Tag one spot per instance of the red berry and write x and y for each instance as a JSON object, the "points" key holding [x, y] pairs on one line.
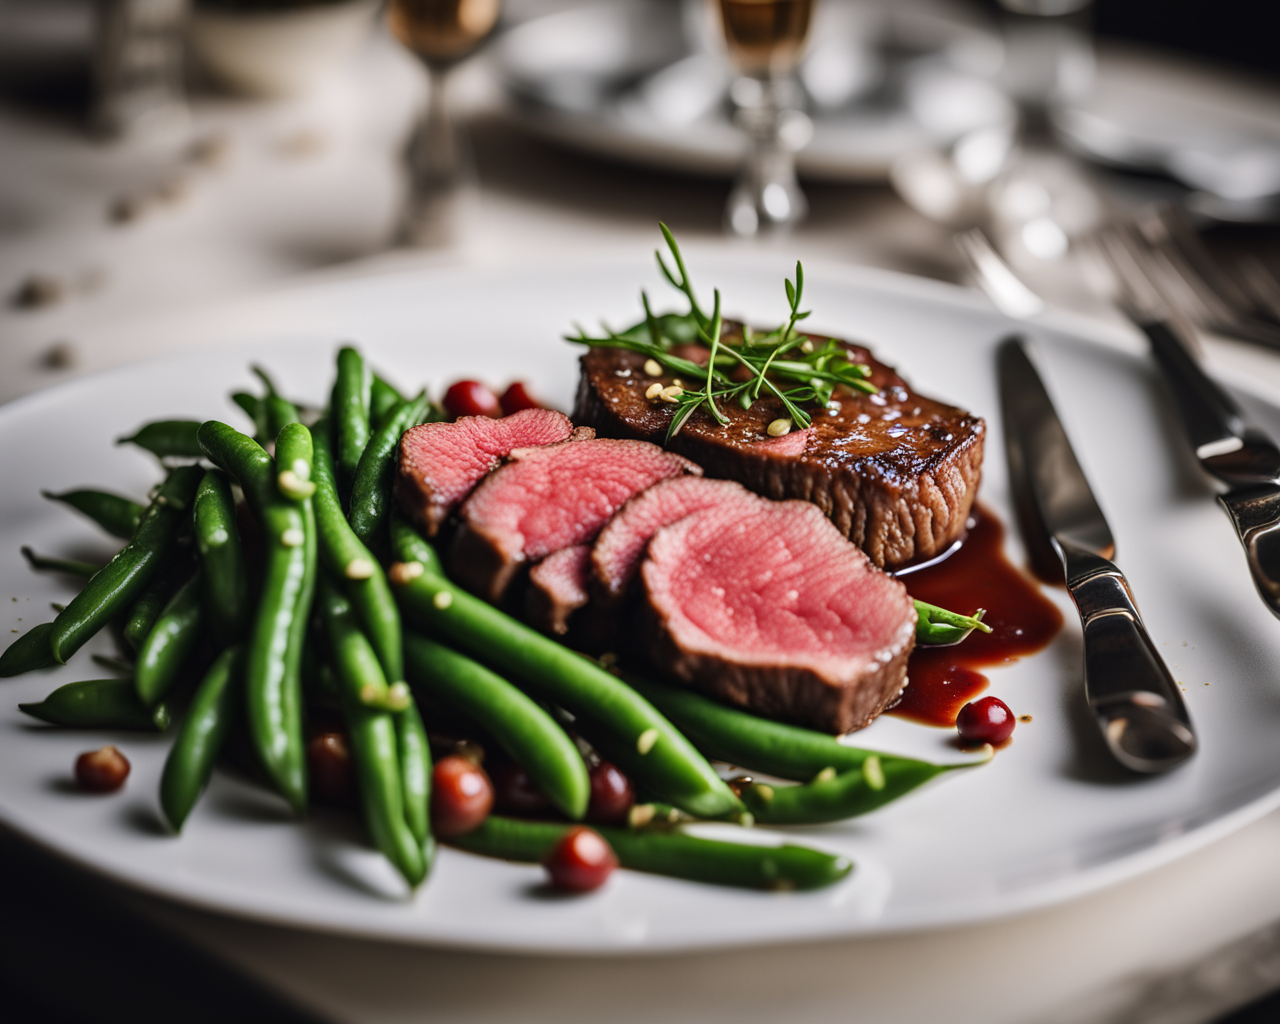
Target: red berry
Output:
{"points": [[102, 771], [514, 792], [987, 720], [470, 398], [333, 775], [611, 795], [580, 861], [461, 797], [516, 398]]}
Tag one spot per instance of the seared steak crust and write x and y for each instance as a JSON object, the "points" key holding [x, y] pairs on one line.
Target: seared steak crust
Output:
{"points": [[896, 472]]}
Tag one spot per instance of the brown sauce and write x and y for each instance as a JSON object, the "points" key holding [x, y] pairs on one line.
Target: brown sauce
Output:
{"points": [[978, 575]]}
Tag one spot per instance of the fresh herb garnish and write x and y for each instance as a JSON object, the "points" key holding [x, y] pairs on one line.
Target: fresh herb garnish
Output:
{"points": [[818, 367], [938, 627]]}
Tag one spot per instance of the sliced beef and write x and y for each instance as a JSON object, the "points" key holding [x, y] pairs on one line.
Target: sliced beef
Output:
{"points": [[558, 588], [618, 551], [546, 499], [896, 472], [440, 463], [767, 606]]}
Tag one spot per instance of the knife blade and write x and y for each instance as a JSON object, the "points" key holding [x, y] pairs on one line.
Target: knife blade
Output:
{"points": [[1134, 699]]}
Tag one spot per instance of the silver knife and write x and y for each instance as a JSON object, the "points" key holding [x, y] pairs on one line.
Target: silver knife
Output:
{"points": [[1242, 457], [1128, 687]]}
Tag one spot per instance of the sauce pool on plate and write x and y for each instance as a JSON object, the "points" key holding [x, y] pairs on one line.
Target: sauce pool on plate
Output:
{"points": [[978, 575]]}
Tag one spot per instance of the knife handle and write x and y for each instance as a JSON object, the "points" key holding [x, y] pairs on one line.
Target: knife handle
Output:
{"points": [[1129, 689], [1256, 516]]}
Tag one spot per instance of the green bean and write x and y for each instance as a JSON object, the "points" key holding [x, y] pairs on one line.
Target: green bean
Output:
{"points": [[350, 561], [201, 737], [938, 627], [142, 614], [374, 744], [29, 652], [834, 797], [842, 781], [124, 578], [415, 771], [99, 704], [349, 409], [170, 643], [371, 498], [626, 728], [671, 853], [118, 516], [273, 657], [528, 734], [279, 412], [294, 457], [256, 409], [747, 740], [383, 397], [71, 567], [168, 439], [226, 579]]}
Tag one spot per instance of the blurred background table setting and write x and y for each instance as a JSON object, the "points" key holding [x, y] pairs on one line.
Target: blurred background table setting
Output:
{"points": [[170, 168]]}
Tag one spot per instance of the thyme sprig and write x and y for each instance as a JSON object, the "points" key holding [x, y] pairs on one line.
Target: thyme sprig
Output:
{"points": [[817, 367]]}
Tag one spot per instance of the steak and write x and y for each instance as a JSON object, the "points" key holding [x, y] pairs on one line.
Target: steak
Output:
{"points": [[440, 463], [896, 472], [558, 588], [546, 499], [618, 551], [767, 606]]}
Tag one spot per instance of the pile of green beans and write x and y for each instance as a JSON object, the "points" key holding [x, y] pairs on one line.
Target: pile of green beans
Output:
{"points": [[245, 616]]}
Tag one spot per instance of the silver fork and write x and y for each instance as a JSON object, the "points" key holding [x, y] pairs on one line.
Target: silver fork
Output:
{"points": [[1227, 447], [1241, 300]]}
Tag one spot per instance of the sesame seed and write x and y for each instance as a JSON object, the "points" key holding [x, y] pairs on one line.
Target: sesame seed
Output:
{"points": [[826, 775], [293, 538], [398, 697], [358, 569], [677, 383], [873, 772], [442, 600], [653, 391], [653, 368], [646, 740], [404, 572], [779, 427], [806, 346], [369, 694], [640, 815]]}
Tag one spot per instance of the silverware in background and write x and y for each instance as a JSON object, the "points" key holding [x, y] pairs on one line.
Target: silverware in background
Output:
{"points": [[1228, 448], [1128, 687]]}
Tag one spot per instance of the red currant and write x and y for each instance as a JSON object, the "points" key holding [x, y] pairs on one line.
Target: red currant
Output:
{"points": [[611, 795], [470, 398], [516, 398], [461, 797], [581, 860], [987, 720]]}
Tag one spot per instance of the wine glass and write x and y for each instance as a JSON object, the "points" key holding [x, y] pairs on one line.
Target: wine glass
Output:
{"points": [[441, 33], [765, 39]]}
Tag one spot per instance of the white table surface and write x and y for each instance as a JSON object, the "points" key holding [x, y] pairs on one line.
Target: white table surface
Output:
{"points": [[309, 188]]}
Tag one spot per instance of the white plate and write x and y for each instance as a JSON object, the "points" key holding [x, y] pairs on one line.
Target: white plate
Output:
{"points": [[1048, 820]]}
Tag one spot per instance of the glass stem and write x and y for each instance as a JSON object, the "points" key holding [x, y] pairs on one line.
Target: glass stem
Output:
{"points": [[440, 169], [766, 195]]}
